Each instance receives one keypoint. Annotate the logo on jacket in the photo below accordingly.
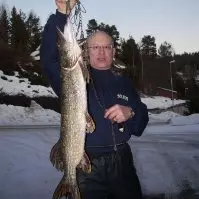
(120, 96)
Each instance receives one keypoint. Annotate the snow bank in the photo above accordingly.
(33, 115)
(185, 120)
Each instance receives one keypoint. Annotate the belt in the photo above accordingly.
(107, 146)
(105, 150)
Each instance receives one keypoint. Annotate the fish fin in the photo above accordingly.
(60, 38)
(66, 190)
(85, 71)
(85, 164)
(73, 51)
(56, 157)
(90, 125)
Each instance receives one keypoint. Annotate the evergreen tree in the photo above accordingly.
(129, 51)
(166, 50)
(92, 26)
(34, 31)
(130, 56)
(148, 46)
(18, 33)
(4, 24)
(112, 31)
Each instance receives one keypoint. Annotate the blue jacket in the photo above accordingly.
(107, 90)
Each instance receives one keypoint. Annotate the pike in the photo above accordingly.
(68, 153)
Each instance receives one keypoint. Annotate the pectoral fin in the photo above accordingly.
(90, 125)
(85, 164)
(56, 157)
(85, 72)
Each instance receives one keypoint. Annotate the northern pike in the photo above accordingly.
(68, 153)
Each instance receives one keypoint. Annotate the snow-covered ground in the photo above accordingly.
(33, 115)
(164, 164)
(14, 85)
(160, 102)
(166, 155)
(36, 115)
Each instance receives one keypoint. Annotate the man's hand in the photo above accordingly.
(63, 4)
(119, 113)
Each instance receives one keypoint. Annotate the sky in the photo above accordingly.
(174, 21)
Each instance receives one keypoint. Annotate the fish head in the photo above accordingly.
(68, 47)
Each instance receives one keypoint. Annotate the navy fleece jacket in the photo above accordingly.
(107, 90)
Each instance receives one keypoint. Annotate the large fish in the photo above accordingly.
(68, 153)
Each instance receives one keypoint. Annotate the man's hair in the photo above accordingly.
(99, 32)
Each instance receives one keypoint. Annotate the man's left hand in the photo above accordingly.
(119, 113)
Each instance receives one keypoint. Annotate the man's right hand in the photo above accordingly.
(62, 4)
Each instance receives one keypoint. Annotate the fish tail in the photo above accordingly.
(64, 189)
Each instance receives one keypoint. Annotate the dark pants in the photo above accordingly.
(113, 176)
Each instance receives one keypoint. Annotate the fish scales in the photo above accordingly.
(68, 153)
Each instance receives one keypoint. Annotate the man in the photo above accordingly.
(115, 108)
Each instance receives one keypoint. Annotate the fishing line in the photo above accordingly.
(76, 18)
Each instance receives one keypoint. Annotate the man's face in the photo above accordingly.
(100, 51)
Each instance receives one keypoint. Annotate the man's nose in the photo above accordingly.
(101, 49)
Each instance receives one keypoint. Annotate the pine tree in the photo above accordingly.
(13, 28)
(148, 46)
(34, 31)
(18, 33)
(166, 50)
(92, 26)
(4, 24)
(130, 56)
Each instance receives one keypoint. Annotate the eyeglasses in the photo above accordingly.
(107, 47)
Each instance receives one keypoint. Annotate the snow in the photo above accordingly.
(164, 117)
(163, 163)
(166, 89)
(36, 54)
(165, 166)
(14, 85)
(166, 155)
(26, 172)
(160, 102)
(185, 120)
(179, 73)
(33, 115)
